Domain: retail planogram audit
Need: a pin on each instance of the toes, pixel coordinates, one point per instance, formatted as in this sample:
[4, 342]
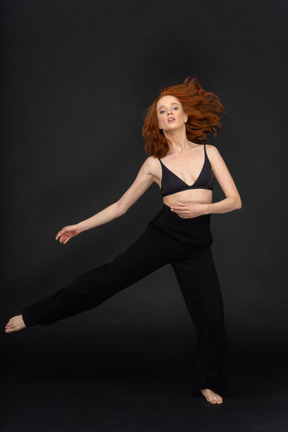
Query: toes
[213, 401]
[11, 329]
[10, 324]
[14, 324]
[212, 397]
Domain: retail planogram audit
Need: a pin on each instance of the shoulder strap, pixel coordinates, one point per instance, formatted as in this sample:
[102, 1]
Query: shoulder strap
[205, 150]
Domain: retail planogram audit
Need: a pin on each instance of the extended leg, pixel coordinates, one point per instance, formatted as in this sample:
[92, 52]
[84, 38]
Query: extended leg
[199, 283]
[144, 256]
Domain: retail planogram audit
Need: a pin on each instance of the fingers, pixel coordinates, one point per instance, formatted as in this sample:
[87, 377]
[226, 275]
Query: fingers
[66, 239]
[62, 236]
[182, 210]
[183, 215]
[66, 233]
[180, 207]
[179, 210]
[59, 234]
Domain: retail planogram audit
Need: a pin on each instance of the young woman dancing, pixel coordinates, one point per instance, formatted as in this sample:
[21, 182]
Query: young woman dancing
[183, 166]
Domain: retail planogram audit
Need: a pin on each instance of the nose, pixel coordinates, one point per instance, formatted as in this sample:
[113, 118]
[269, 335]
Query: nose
[169, 111]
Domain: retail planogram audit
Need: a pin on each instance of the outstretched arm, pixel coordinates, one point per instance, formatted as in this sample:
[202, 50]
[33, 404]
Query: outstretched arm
[142, 182]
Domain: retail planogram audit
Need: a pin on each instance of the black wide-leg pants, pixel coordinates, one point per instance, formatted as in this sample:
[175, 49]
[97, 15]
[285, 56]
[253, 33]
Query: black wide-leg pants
[168, 239]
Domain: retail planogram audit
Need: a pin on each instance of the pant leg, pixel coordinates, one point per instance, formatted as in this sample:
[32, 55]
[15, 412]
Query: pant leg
[199, 284]
[144, 256]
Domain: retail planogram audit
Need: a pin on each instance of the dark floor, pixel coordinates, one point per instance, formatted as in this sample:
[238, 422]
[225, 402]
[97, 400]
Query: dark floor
[133, 390]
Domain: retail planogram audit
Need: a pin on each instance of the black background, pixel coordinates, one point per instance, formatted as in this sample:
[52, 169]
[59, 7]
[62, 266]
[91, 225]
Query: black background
[76, 79]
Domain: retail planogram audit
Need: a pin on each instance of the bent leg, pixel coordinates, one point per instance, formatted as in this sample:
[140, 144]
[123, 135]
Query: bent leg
[199, 284]
[144, 256]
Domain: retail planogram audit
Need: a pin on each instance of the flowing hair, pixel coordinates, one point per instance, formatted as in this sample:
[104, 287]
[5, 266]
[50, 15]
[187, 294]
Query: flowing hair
[201, 107]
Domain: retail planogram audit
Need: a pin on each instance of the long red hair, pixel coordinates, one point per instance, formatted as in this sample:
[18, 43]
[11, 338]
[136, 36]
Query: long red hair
[201, 107]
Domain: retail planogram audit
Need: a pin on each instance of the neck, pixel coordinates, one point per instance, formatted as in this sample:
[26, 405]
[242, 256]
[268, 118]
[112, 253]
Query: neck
[177, 140]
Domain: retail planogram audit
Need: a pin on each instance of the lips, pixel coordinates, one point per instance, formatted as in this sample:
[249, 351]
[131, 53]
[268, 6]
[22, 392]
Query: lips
[171, 119]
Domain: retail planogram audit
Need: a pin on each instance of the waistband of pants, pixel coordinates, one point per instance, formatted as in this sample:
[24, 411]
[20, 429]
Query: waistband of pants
[181, 233]
[199, 220]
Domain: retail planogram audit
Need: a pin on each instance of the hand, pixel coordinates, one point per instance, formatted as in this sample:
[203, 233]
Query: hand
[189, 211]
[68, 232]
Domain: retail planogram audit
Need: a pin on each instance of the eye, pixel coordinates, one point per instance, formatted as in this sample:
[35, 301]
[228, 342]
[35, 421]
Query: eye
[175, 108]
[162, 111]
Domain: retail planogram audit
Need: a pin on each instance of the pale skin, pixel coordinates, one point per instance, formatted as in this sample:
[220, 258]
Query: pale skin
[185, 159]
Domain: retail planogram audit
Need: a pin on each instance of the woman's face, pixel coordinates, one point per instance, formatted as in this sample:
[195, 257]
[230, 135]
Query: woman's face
[170, 114]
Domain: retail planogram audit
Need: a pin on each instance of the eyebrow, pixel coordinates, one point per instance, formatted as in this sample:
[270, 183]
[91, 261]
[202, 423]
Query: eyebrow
[163, 106]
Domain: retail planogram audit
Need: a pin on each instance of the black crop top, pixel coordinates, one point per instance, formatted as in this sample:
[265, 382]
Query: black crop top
[171, 183]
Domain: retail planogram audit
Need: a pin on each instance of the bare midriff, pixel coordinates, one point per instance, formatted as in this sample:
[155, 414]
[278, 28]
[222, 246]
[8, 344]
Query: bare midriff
[191, 196]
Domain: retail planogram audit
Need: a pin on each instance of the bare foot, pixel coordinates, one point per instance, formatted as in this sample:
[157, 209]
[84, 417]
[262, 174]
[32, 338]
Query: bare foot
[212, 397]
[15, 324]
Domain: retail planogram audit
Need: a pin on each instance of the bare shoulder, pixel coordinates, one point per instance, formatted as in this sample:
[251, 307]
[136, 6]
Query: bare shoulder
[151, 165]
[151, 162]
[212, 150]
[213, 153]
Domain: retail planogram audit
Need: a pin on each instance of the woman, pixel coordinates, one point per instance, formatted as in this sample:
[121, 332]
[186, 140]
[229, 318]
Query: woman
[175, 128]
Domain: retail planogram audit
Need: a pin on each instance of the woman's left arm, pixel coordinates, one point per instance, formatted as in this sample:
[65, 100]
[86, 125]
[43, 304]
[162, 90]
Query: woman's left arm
[226, 182]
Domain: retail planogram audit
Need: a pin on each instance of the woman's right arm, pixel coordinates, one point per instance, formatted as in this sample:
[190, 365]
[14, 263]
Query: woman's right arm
[145, 177]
